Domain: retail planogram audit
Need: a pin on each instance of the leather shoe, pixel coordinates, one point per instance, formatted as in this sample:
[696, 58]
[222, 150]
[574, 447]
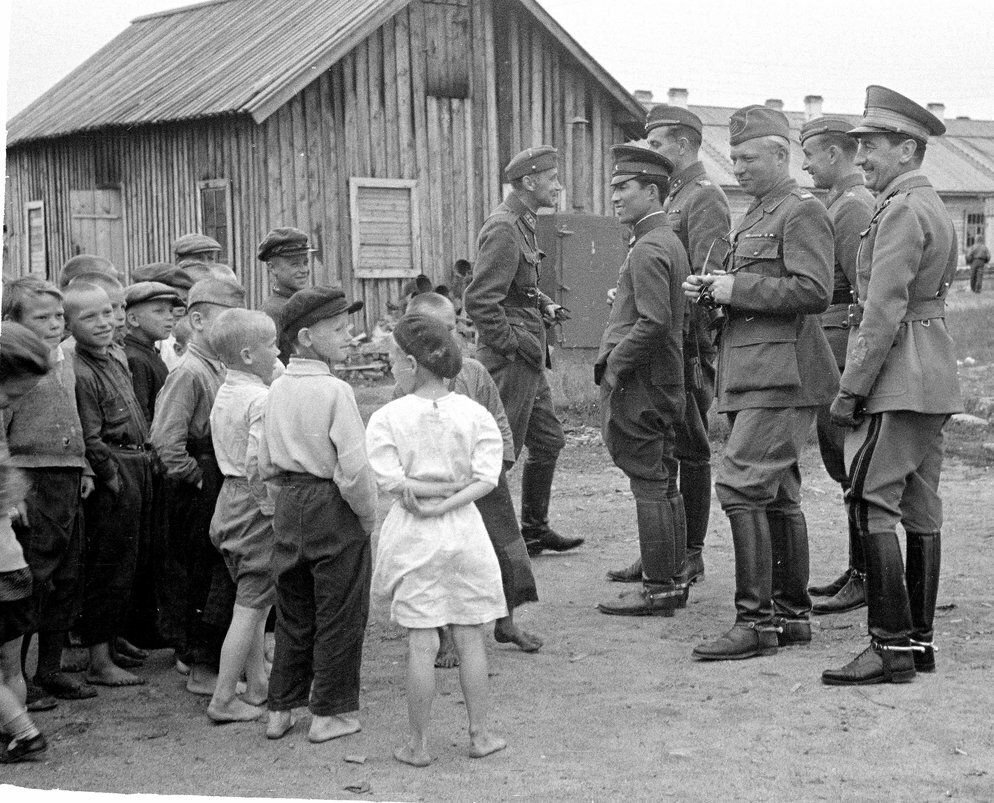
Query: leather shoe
[925, 657]
[876, 664]
[630, 574]
[552, 541]
[792, 631]
[742, 641]
[695, 567]
[832, 588]
[850, 597]
[652, 601]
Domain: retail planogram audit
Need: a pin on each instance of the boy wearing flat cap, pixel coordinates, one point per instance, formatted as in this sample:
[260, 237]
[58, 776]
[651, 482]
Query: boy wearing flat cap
[898, 389]
[774, 369]
[198, 593]
[149, 310]
[314, 449]
[287, 254]
[179, 280]
[639, 369]
[196, 248]
[510, 314]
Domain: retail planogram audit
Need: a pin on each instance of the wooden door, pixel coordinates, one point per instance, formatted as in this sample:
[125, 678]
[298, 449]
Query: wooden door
[97, 224]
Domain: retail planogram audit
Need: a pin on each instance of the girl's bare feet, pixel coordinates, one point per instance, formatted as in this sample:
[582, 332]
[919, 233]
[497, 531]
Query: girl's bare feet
[279, 724]
[447, 657]
[324, 729]
[506, 632]
[112, 675]
[201, 680]
[233, 710]
[415, 757]
[483, 744]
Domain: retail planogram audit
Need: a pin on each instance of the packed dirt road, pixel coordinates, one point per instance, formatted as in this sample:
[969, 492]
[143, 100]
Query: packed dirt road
[610, 708]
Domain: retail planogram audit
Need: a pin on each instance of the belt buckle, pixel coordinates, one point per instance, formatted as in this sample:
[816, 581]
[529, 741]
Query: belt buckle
[854, 316]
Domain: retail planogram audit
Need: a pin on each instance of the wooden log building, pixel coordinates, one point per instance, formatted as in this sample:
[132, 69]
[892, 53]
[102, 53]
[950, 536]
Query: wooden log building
[379, 126]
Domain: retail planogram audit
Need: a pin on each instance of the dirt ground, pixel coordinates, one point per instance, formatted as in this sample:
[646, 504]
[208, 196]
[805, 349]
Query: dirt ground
[611, 707]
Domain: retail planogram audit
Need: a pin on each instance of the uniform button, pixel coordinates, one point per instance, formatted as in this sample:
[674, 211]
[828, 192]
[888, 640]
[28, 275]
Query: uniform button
[755, 253]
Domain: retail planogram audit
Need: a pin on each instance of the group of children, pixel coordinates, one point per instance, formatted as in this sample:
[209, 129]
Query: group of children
[175, 508]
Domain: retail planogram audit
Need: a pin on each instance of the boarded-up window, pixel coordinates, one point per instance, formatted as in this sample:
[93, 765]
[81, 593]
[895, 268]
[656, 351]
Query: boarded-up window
[447, 29]
[385, 232]
[34, 228]
[214, 204]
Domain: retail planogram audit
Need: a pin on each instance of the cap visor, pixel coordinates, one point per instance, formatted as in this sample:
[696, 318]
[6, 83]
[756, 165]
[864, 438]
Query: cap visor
[355, 306]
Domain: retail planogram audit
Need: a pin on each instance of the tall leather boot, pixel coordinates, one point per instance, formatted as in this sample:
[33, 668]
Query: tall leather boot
[680, 570]
[659, 594]
[852, 594]
[791, 602]
[753, 633]
[888, 659]
[921, 572]
[536, 488]
[695, 488]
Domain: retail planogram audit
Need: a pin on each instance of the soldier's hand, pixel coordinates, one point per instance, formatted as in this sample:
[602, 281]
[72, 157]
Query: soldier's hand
[721, 287]
[847, 410]
[694, 284]
[611, 295]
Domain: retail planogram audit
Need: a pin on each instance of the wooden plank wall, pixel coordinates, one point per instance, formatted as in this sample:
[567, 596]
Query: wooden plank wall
[368, 116]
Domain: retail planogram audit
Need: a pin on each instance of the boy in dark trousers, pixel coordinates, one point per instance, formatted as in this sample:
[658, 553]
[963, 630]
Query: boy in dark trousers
[199, 595]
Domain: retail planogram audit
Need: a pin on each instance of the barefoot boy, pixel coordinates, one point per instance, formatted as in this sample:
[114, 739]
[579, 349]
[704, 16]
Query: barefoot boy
[242, 527]
[115, 433]
[314, 448]
[45, 438]
[197, 610]
[496, 507]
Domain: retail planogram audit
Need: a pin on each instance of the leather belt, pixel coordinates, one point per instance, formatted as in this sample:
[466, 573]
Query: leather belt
[919, 311]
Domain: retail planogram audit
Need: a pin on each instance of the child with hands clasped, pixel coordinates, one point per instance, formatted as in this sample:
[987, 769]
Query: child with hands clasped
[437, 452]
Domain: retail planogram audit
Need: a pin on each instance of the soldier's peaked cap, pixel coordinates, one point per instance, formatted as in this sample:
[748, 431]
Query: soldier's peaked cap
[636, 161]
[664, 114]
[887, 110]
[532, 160]
[284, 241]
[824, 125]
[751, 122]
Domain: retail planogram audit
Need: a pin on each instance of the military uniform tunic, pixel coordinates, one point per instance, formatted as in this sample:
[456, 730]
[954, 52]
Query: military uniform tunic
[774, 364]
[506, 304]
[901, 359]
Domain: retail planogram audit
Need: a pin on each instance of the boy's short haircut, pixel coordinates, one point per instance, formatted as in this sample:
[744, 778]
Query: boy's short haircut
[22, 352]
[102, 280]
[19, 293]
[182, 330]
[428, 303]
[75, 291]
[237, 329]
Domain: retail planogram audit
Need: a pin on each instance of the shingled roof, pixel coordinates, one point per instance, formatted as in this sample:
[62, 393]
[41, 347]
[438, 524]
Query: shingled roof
[227, 57]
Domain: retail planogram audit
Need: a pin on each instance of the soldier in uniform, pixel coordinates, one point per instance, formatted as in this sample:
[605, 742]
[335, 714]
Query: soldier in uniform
[774, 369]
[287, 254]
[639, 369]
[510, 314]
[898, 389]
[977, 258]
[697, 211]
[196, 248]
[829, 152]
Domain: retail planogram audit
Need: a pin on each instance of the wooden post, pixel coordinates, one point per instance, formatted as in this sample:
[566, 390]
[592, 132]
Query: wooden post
[581, 165]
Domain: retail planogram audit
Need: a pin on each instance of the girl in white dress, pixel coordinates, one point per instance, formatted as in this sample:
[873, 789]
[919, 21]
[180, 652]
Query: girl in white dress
[436, 452]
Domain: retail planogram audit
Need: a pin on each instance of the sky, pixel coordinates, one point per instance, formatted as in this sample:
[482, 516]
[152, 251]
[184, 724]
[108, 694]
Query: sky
[725, 53]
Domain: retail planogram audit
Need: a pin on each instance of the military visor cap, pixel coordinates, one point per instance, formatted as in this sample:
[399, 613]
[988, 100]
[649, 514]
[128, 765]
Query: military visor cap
[283, 242]
[195, 244]
[751, 122]
[666, 115]
[532, 160]
[824, 125]
[143, 292]
[635, 161]
[887, 110]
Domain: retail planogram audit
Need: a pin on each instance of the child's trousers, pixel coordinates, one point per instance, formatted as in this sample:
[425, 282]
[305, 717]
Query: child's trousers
[322, 566]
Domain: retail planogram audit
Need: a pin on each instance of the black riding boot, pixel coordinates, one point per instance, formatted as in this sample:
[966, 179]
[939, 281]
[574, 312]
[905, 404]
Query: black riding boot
[791, 602]
[921, 571]
[753, 633]
[536, 488]
[695, 488]
[659, 595]
[888, 659]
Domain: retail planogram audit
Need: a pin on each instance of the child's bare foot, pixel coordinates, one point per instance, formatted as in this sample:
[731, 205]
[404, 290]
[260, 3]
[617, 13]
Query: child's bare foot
[324, 729]
[75, 659]
[112, 675]
[124, 647]
[415, 757]
[279, 724]
[202, 680]
[484, 744]
[234, 710]
[447, 657]
[255, 696]
[182, 668]
[506, 632]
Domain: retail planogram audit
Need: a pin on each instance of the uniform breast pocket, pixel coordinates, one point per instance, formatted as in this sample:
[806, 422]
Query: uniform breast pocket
[760, 254]
[762, 355]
